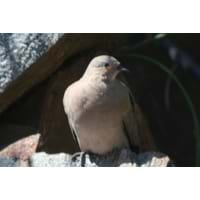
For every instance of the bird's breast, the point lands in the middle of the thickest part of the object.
(99, 109)
(105, 98)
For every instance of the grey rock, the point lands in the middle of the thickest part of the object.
(19, 51)
(46, 160)
(9, 162)
(117, 158)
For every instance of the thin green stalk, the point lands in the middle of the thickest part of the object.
(196, 130)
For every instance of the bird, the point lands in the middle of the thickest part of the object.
(102, 112)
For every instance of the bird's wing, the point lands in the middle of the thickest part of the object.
(137, 128)
(73, 131)
(67, 104)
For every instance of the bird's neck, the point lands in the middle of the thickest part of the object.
(96, 77)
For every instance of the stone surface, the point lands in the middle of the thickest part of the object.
(21, 149)
(19, 51)
(49, 160)
(118, 158)
(9, 162)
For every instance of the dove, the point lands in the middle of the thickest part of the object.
(102, 112)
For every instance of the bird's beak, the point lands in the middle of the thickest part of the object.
(120, 68)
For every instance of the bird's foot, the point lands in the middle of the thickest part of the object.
(82, 157)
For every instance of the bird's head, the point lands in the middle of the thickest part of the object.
(104, 66)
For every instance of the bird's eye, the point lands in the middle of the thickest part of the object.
(106, 64)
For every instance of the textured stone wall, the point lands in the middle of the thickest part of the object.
(19, 51)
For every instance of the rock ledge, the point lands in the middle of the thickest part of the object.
(118, 158)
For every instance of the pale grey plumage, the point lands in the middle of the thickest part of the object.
(99, 110)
